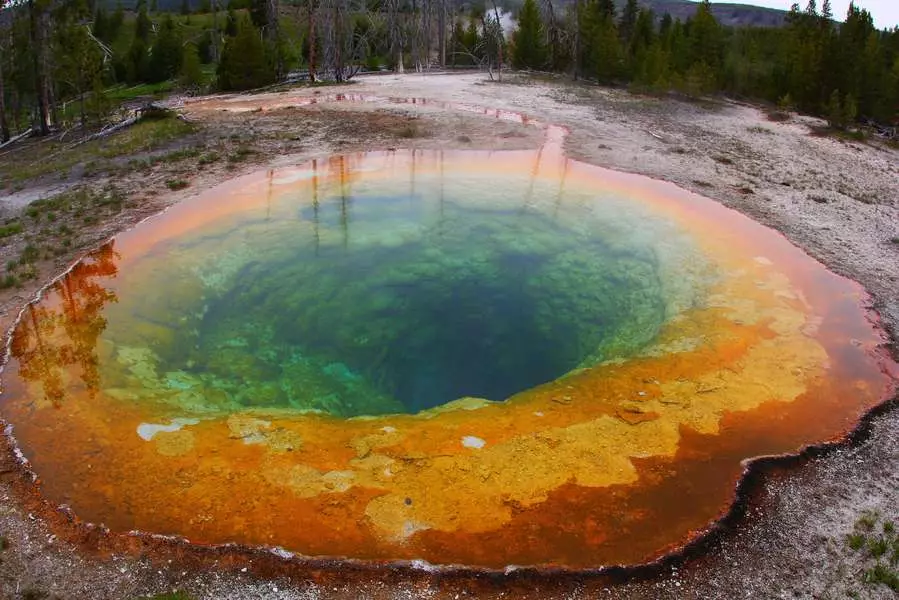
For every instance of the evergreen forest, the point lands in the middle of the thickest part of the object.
(70, 63)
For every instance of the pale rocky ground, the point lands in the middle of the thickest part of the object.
(838, 200)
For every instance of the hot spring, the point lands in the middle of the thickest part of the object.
(463, 357)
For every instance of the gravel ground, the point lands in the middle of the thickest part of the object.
(836, 199)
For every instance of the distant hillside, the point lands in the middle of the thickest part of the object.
(730, 15)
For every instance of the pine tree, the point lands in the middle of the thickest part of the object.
(244, 65)
(665, 25)
(259, 13)
(606, 51)
(653, 71)
(100, 26)
(699, 80)
(81, 62)
(606, 8)
(136, 61)
(641, 38)
(893, 94)
(191, 73)
(165, 55)
(835, 114)
(473, 42)
(850, 110)
(231, 24)
(705, 37)
(529, 51)
(628, 22)
(114, 26)
(142, 25)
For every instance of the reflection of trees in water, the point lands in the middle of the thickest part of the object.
(54, 336)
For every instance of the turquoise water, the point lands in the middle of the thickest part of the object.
(483, 304)
(386, 299)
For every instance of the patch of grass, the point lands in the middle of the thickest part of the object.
(123, 94)
(746, 190)
(866, 522)
(895, 240)
(818, 199)
(240, 154)
(77, 202)
(853, 135)
(412, 131)
(778, 116)
(144, 136)
(57, 159)
(178, 155)
(883, 574)
(176, 184)
(28, 272)
(29, 254)
(856, 541)
(876, 547)
(10, 229)
(723, 160)
(208, 158)
(759, 129)
(171, 596)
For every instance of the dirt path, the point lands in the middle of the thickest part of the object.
(839, 200)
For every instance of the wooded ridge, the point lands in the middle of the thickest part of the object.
(68, 64)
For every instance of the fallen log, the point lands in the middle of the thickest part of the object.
(15, 139)
(148, 111)
(108, 130)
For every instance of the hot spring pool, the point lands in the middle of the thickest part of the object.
(472, 358)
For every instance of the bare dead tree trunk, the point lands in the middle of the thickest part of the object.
(338, 42)
(415, 35)
(441, 33)
(215, 31)
(272, 32)
(40, 82)
(396, 38)
(426, 32)
(578, 7)
(551, 31)
(499, 42)
(312, 7)
(4, 125)
(4, 41)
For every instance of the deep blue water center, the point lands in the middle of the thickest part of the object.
(385, 305)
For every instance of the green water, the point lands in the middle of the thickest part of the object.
(388, 300)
